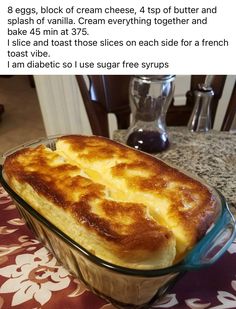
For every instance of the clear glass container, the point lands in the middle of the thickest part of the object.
(124, 287)
(150, 97)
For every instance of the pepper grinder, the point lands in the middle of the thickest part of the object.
(200, 119)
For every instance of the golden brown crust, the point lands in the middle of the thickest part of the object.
(132, 206)
(191, 207)
(124, 228)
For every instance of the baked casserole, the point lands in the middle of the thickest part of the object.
(122, 205)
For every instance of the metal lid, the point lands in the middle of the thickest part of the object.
(156, 77)
(204, 87)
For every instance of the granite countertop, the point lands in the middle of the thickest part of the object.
(211, 156)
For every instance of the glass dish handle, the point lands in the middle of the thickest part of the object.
(214, 244)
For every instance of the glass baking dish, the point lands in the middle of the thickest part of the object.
(123, 287)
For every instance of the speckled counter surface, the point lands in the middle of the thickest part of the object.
(211, 155)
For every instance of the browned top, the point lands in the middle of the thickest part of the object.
(191, 204)
(125, 226)
(84, 175)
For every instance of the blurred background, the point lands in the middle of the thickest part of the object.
(35, 106)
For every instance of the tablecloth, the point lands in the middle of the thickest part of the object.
(30, 277)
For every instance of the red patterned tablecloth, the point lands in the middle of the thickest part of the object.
(30, 276)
